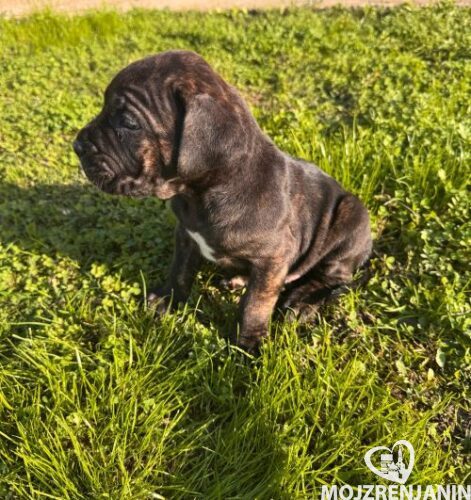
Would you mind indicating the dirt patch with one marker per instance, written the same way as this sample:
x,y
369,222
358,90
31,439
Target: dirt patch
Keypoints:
x,y
24,7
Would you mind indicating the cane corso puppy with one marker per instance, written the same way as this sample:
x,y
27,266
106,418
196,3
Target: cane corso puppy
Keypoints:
x,y
173,128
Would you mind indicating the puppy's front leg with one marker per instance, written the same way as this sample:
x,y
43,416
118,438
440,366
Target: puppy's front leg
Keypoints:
x,y
185,264
265,282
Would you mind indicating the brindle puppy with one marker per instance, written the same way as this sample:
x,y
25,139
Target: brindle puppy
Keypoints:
x,y
171,127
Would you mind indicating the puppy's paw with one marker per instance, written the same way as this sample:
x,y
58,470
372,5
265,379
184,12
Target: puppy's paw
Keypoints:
x,y
159,303
302,313
234,283
162,300
292,309
250,341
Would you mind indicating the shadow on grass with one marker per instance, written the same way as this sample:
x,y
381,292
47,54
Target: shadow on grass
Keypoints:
x,y
129,236
88,226
132,237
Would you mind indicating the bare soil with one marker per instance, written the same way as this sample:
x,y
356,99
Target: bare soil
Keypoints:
x,y
24,7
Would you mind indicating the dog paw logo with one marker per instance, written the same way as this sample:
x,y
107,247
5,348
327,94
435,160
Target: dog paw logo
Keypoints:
x,y
392,461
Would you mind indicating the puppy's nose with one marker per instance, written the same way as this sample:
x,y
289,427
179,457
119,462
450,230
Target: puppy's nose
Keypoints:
x,y
79,147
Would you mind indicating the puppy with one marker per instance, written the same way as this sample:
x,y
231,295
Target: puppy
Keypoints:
x,y
171,127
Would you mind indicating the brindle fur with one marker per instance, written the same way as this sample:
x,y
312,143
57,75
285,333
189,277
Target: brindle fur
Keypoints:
x,y
281,222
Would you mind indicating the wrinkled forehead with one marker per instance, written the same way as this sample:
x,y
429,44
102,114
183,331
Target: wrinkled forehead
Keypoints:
x,y
131,81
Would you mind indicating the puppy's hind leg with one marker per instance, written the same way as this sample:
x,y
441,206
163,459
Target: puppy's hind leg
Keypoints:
x,y
322,285
351,237
315,289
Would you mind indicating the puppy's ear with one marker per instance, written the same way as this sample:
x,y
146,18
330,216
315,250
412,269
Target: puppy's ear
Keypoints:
x,y
210,135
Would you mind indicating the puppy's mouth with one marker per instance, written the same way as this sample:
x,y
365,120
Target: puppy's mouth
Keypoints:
x,y
99,172
103,176
113,179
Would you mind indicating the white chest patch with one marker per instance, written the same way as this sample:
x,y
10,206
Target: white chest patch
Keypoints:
x,y
205,249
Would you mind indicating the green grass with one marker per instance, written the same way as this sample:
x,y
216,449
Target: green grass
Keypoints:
x,y
100,400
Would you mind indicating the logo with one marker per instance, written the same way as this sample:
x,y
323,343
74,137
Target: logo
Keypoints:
x,y
392,464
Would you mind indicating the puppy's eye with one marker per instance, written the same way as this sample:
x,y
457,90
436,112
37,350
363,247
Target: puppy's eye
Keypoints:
x,y
129,122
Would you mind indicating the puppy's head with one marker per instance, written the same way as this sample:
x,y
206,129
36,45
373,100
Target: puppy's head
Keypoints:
x,y
168,123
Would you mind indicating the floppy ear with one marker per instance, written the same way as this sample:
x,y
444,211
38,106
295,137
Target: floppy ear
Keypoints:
x,y
210,135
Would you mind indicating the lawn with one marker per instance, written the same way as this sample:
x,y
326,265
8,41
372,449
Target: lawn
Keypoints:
x,y
99,399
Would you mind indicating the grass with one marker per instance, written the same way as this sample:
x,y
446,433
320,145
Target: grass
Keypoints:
x,y
100,400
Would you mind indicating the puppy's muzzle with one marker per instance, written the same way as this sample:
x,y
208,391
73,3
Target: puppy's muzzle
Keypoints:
x,y
79,147
82,145
93,164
